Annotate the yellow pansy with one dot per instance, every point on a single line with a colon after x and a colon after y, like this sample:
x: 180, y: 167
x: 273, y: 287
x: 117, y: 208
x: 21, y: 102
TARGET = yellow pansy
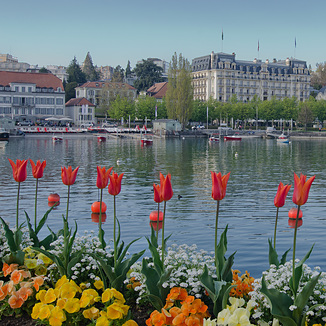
x: 61, y: 303
x: 91, y: 313
x: 30, y: 263
x: 40, y: 270
x: 45, y: 311
x: 36, y: 310
x: 62, y: 281
x: 40, y: 296
x: 46, y: 260
x: 102, y: 321
x: 117, y: 310
x: 67, y: 291
x: 239, y: 318
x: 99, y: 284
x: 82, y: 286
x: 85, y: 300
x: 57, y: 317
x: 73, y: 283
x: 107, y: 295
x: 49, y: 296
x: 118, y: 295
x: 223, y: 316
x: 130, y: 323
x: 72, y: 305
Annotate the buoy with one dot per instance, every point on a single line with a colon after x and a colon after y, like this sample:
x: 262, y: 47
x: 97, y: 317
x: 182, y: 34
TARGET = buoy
x: 53, y: 200
x: 153, y: 216
x: 155, y: 225
x: 293, y: 213
x: 96, y: 217
x: 96, y: 207
x: 292, y: 221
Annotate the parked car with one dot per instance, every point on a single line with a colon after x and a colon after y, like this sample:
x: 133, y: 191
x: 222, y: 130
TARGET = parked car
x: 87, y: 125
x: 25, y: 123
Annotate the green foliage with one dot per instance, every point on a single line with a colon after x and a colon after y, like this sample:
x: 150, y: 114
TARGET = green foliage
x: 273, y: 257
x: 118, y: 74
x: 219, y: 287
x: 179, y: 95
x: 14, y: 241
x: 145, y: 107
x: 116, y: 273
x: 128, y: 70
x: 122, y: 108
x: 75, y: 73
x: 281, y: 302
x: 89, y: 70
x: 70, y: 90
x: 156, y: 275
x: 148, y: 73
x: 68, y: 259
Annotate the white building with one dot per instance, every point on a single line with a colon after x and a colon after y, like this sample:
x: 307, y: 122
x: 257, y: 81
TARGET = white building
x: 10, y: 63
x: 31, y: 96
x: 81, y: 111
x: 220, y: 76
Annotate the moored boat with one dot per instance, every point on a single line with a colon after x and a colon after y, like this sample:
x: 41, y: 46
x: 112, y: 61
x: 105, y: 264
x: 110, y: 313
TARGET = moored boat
x: 4, y: 135
x: 283, y: 139
x: 146, y: 139
x: 227, y: 138
x: 57, y: 138
x: 101, y: 138
x: 214, y: 138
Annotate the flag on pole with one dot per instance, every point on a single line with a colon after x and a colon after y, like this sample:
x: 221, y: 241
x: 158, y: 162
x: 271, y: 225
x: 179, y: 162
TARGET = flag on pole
x: 156, y: 112
x: 222, y: 34
x: 295, y: 42
x: 258, y: 46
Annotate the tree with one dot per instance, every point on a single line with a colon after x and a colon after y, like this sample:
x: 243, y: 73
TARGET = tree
x: 305, y: 115
x: 118, y: 74
x: 145, y: 107
x: 148, y: 73
x: 89, y: 69
x: 179, y: 95
x: 128, y: 70
x: 122, y: 108
x: 75, y: 74
x: 43, y: 70
x: 70, y: 90
x: 318, y: 78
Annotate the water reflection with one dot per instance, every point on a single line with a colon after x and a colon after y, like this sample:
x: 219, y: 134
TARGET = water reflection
x: 247, y: 208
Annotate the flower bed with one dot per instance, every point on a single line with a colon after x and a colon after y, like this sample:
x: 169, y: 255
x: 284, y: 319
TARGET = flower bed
x: 72, y: 279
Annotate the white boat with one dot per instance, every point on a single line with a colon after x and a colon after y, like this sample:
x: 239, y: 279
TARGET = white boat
x: 214, y: 138
x: 56, y: 138
x: 283, y: 139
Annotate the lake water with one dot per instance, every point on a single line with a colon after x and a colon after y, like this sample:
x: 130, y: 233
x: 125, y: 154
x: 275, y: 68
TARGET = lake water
x: 248, y: 207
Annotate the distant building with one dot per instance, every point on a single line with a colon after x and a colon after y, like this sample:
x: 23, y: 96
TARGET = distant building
x: 166, y: 126
x: 220, y: 76
x: 106, y: 72
x: 31, y: 96
x: 10, y: 63
x: 94, y: 91
x: 80, y: 110
x: 158, y: 90
x: 59, y: 71
x: 161, y: 63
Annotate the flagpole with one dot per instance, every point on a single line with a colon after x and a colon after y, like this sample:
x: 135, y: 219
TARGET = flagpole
x: 295, y: 45
x: 222, y: 39
x: 258, y: 50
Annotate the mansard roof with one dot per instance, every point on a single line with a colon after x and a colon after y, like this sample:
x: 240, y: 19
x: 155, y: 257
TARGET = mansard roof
x: 39, y: 79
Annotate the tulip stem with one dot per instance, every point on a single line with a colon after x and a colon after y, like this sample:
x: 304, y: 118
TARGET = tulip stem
x: 163, y: 244
x: 294, y: 246
x: 114, y: 232
x: 100, y: 231
x: 35, y: 217
x: 17, y: 206
x: 275, y: 227
x: 216, y: 224
x: 158, y: 220
x: 68, y: 202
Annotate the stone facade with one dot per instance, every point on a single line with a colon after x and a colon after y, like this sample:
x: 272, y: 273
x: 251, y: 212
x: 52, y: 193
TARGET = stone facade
x: 221, y: 76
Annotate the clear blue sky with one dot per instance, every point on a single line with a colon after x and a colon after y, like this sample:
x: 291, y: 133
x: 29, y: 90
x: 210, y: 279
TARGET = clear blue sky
x: 115, y: 31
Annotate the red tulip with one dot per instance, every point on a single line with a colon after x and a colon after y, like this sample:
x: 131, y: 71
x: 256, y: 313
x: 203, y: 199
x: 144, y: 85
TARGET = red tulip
x: 68, y: 176
x: 166, y: 187
x: 157, y: 193
x: 281, y: 194
x: 38, y: 169
x: 19, y: 170
x: 219, y: 185
x: 115, y: 183
x: 301, y: 189
x: 102, y: 177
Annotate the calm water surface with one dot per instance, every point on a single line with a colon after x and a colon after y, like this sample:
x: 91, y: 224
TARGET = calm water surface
x: 248, y: 207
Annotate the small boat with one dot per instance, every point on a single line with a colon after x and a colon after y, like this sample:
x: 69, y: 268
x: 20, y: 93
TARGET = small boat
x: 56, y: 139
x: 4, y: 135
x: 227, y: 138
x: 101, y: 139
x: 283, y: 139
x: 146, y: 139
x: 214, y: 138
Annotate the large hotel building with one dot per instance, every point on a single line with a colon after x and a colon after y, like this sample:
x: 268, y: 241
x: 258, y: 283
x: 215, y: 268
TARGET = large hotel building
x: 220, y: 76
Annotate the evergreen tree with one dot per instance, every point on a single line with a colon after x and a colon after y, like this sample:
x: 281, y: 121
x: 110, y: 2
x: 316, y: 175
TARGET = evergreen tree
x: 128, y: 70
x: 75, y: 74
x: 179, y: 95
x: 43, y: 70
x: 89, y: 69
x: 148, y: 73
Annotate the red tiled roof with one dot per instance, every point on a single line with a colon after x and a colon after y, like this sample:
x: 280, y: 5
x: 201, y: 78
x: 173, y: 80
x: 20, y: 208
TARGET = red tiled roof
x: 158, y: 90
x: 79, y: 101
x: 40, y: 79
x: 99, y: 84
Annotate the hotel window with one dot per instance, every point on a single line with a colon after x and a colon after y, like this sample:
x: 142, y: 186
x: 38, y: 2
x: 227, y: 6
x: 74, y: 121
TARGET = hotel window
x: 23, y: 89
x: 16, y: 89
x: 29, y: 89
